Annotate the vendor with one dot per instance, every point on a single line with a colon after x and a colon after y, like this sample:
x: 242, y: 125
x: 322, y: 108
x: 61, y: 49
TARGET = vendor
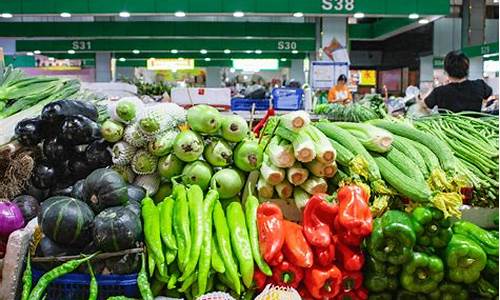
x: 459, y: 94
x: 339, y: 93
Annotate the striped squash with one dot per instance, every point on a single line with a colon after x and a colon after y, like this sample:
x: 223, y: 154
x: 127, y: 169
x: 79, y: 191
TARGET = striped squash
x: 66, y: 221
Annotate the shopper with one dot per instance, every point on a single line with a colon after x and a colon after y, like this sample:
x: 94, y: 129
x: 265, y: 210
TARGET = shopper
x: 340, y: 93
x: 460, y: 94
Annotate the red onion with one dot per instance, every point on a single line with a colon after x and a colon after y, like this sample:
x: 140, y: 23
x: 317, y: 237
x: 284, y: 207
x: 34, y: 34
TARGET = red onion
x: 11, y: 218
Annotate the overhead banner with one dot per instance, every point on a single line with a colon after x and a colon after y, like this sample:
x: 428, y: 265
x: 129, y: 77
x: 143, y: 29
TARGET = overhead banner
x: 170, y: 64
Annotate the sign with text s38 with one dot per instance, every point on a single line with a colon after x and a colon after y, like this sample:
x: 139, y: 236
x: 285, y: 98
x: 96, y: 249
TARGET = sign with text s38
x: 338, y: 5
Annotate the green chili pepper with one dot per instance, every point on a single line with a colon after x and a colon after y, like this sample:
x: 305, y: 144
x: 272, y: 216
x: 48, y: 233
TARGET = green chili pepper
x: 194, y: 289
x: 221, y: 287
x: 206, y: 250
x: 195, y: 202
x: 224, y: 243
x: 217, y: 263
x: 151, y: 217
x: 175, y: 273
x: 161, y: 278
x: 143, y: 283
x: 210, y: 282
x: 241, y: 241
x: 251, y: 217
x: 151, y: 265
x: 93, y: 288
x: 170, y: 255
x: 225, y: 281
x: 27, y: 281
x: 487, y: 240
x: 119, y: 298
x: 166, y: 218
x: 186, y: 284
x: 55, y: 273
x: 248, y: 295
x: 181, y: 225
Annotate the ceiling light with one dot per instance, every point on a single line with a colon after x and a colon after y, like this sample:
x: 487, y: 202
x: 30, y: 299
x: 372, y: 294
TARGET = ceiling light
x: 6, y: 15
x: 232, y: 70
x: 248, y: 51
x: 124, y: 14
x: 37, y: 52
x: 65, y: 15
x: 51, y: 59
x: 135, y: 51
x: 359, y: 15
x: 180, y: 59
x: 180, y: 14
x: 227, y: 51
x: 29, y: 53
x: 208, y: 59
x: 413, y: 16
x: 283, y: 59
x: 71, y: 51
x: 203, y: 51
x: 122, y: 59
x: 423, y: 21
x: 174, y: 51
x: 238, y: 14
x: 295, y: 51
x: 298, y: 14
x: 258, y: 51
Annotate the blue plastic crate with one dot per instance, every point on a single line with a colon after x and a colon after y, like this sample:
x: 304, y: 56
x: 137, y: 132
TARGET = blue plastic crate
x: 287, y: 99
x: 243, y: 104
x: 75, y: 286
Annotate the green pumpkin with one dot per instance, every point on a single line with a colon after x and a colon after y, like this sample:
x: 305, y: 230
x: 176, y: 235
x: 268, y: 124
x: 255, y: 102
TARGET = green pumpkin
x: 104, y: 188
x: 66, y: 221
x: 117, y: 228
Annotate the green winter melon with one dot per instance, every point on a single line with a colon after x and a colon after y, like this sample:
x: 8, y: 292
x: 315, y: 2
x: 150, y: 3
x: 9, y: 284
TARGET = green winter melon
x: 66, y: 221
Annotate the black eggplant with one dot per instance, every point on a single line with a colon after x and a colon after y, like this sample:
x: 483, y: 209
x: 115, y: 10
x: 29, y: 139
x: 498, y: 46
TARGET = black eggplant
x: 77, y: 130
x: 56, y: 112
x: 98, y: 154
x: 79, y: 168
x: 29, y: 132
x: 28, y: 205
x: 62, y: 190
x: 63, y: 171
x: 44, y: 175
x: 77, y: 191
x: 54, y: 149
x: 32, y: 190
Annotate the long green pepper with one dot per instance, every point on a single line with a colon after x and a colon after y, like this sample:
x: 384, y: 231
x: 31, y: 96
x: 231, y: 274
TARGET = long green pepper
x: 186, y: 284
x: 142, y: 281
x: 206, y: 250
x: 166, y: 218
x: 55, y: 273
x: 217, y: 263
x: 27, y: 279
x: 195, y: 202
x: 93, y: 287
x: 151, y: 217
x: 181, y: 225
x: 224, y: 243
x: 175, y: 274
x: 251, y: 217
x: 241, y: 241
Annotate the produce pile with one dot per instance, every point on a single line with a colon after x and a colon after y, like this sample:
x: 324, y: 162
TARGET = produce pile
x: 369, y: 108
x: 19, y: 92
x: 421, y: 255
x: 474, y: 142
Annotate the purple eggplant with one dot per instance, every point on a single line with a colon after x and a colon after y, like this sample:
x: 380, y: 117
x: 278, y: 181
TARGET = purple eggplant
x: 77, y: 130
x: 98, y: 154
x: 44, y: 175
x: 54, y: 149
x: 56, y: 112
x: 29, y: 131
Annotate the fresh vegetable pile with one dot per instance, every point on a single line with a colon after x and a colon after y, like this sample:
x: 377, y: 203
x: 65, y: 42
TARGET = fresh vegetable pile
x: 421, y: 255
x: 369, y: 108
x: 474, y: 142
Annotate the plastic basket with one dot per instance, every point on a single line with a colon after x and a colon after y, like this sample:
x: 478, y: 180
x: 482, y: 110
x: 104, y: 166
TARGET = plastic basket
x: 287, y: 99
x: 243, y: 104
x: 75, y: 286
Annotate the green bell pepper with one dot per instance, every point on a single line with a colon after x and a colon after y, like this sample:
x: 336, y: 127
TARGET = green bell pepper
x: 422, y: 274
x: 465, y: 259
x: 432, y: 228
x: 380, y: 276
x: 491, y: 267
x: 487, y: 240
x: 407, y: 295
x: 380, y: 296
x: 485, y: 289
x: 449, y: 291
x: 393, y: 238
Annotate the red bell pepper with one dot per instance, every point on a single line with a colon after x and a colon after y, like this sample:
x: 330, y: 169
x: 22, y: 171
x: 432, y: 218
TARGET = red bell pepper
x: 354, y: 210
x: 260, y: 279
x: 277, y: 259
x: 323, y: 283
x: 346, y: 236
x: 324, y: 256
x: 271, y: 230
x: 317, y: 221
x: 296, y: 248
x: 359, y: 294
x: 350, y: 259
x: 351, y: 280
x: 286, y: 274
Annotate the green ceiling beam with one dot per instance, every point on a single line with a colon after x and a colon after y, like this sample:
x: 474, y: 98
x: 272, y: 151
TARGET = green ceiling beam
x: 213, y: 56
x: 69, y: 30
x: 198, y: 63
x: 370, y: 31
x: 93, y: 7
x: 480, y: 50
x: 217, y: 45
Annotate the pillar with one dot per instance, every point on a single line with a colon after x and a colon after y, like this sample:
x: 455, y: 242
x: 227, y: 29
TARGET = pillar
x: 297, y: 70
x: 426, y: 70
x: 103, y: 67
x: 213, y: 77
x: 473, y: 33
x: 333, y: 28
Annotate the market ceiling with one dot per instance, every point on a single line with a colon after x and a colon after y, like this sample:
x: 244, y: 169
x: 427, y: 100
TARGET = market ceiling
x: 224, y: 7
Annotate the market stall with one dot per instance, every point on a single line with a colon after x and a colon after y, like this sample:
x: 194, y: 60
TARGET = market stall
x: 130, y: 200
